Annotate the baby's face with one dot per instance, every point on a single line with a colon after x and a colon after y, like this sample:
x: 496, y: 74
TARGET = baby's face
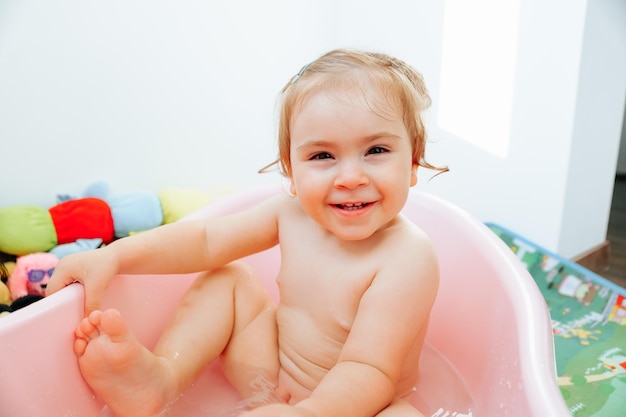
x: 351, y: 161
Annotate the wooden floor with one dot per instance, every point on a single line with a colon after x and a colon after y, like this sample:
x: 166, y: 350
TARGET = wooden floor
x: 616, y: 235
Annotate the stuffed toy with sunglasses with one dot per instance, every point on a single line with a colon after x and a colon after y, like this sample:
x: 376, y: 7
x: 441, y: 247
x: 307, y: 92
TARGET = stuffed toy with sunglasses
x: 31, y: 274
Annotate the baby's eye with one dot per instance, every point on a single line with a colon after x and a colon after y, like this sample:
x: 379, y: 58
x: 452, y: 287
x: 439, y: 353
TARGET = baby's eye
x: 321, y: 155
x: 377, y: 149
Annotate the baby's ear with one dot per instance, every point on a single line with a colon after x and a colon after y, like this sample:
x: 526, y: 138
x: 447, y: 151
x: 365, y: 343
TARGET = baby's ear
x: 292, y: 187
x: 414, y: 175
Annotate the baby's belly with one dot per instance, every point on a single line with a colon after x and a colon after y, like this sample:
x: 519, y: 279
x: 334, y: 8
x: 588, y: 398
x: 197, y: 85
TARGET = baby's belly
x: 306, y: 352
x: 309, y: 348
x: 290, y: 390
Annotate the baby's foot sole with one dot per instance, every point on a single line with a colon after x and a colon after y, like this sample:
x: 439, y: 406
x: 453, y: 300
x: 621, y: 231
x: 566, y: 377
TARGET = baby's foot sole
x: 129, y: 378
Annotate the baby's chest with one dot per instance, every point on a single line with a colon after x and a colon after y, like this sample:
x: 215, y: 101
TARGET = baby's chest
x: 326, y: 293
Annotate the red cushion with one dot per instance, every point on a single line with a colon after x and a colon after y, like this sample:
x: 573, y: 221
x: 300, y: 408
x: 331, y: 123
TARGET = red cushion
x: 85, y: 218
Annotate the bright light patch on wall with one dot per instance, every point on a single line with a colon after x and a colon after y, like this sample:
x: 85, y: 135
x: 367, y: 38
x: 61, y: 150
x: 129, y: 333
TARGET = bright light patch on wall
x: 478, y: 71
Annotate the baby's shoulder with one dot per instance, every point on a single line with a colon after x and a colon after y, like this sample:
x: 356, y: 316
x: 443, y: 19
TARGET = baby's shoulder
x: 406, y: 232
x: 287, y: 208
x: 279, y: 205
x: 407, y: 243
x: 282, y: 201
x: 287, y: 214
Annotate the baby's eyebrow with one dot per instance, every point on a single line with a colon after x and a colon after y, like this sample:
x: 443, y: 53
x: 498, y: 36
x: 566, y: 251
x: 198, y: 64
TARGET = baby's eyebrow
x: 381, y: 135
x: 315, y: 143
x: 321, y: 143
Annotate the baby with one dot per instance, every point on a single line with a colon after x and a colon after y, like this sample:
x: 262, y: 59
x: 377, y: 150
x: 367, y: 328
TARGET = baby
x: 357, y: 280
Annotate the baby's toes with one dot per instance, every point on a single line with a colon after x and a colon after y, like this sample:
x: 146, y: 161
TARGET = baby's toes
x: 80, y: 346
x: 88, y: 327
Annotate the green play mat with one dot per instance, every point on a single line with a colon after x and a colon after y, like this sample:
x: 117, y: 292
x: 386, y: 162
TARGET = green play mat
x: 588, y: 315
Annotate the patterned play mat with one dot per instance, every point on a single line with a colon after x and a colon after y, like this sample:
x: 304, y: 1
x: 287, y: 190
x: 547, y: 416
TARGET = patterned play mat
x: 588, y: 316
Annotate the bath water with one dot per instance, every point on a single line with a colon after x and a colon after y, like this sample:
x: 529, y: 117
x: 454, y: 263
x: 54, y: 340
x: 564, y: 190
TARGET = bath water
x: 440, y: 392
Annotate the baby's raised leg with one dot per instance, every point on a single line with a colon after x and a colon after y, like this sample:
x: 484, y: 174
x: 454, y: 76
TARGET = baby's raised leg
x: 133, y: 381
x: 228, y: 313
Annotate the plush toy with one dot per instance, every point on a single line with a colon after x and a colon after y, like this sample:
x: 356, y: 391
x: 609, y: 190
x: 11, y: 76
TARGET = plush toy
x: 6, y: 309
x: 80, y: 245
x: 31, y: 275
x: 7, y: 305
x: 130, y: 211
x: 97, y: 214
x: 5, y: 294
x: 30, y: 229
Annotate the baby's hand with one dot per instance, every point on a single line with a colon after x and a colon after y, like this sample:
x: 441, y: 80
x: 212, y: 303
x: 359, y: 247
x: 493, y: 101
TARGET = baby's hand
x: 94, y: 269
x: 278, y: 410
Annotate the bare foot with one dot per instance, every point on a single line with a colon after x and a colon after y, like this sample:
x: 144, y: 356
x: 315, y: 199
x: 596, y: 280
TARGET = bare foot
x: 128, y: 377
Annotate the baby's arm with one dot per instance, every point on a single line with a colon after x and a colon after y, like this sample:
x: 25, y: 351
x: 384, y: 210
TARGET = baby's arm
x: 181, y: 247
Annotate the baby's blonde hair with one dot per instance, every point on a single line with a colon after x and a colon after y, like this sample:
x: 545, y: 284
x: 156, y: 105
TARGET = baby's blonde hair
x: 397, y: 81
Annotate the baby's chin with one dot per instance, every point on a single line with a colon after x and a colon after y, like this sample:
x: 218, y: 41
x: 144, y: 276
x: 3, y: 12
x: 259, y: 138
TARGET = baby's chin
x: 357, y: 234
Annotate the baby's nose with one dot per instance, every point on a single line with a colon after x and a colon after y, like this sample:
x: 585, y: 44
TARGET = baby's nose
x: 351, y: 175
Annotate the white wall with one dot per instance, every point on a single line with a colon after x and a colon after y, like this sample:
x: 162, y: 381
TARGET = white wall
x: 621, y: 160
x: 143, y: 94
x: 148, y: 94
x: 597, y: 126
x: 524, y: 191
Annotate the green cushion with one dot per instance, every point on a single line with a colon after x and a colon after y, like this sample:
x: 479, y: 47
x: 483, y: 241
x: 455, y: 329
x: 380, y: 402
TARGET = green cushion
x: 176, y: 203
x: 26, y: 229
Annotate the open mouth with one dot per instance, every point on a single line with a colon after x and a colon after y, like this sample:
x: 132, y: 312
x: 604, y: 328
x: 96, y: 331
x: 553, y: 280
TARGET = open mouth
x: 352, y: 206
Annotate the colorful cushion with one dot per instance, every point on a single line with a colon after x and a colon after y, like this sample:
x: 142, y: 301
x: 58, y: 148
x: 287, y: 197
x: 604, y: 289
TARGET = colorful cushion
x: 26, y: 229
x: 135, y: 212
x: 179, y: 202
x: 87, y: 218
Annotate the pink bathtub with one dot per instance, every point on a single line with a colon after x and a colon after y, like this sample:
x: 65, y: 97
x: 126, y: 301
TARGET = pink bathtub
x: 489, y: 347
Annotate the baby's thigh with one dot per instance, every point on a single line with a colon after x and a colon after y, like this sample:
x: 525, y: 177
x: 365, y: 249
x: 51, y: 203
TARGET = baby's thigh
x: 400, y: 408
x: 250, y: 360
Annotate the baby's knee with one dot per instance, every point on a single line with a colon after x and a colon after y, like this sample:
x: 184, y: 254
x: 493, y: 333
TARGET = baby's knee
x: 249, y: 294
x: 229, y: 275
x: 233, y: 270
x: 239, y: 268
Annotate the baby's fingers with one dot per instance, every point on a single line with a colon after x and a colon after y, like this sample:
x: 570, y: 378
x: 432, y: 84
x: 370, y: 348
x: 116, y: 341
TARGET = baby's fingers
x: 91, y: 268
x: 93, y: 295
x: 58, y: 281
